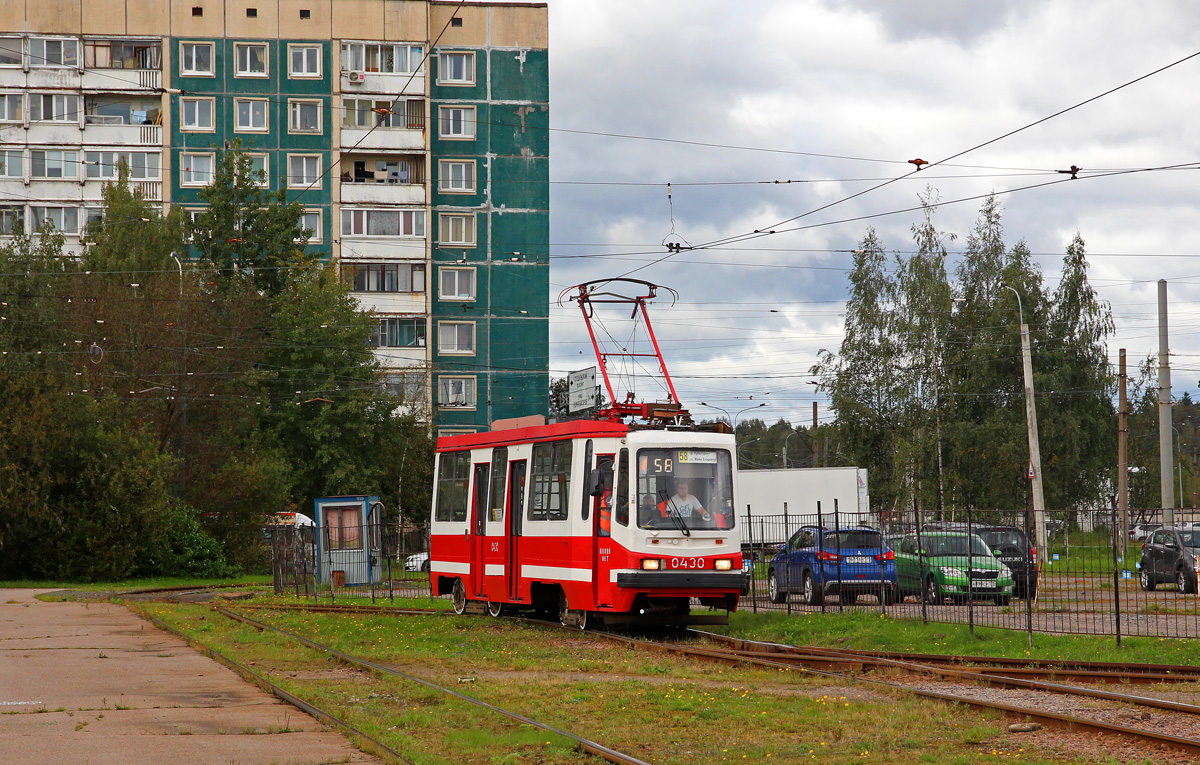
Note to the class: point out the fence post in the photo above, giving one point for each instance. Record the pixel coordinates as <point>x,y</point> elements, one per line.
<point>1116,573</point>
<point>971,574</point>
<point>837,533</point>
<point>820,590</point>
<point>1031,596</point>
<point>387,554</point>
<point>787,560</point>
<point>753,561</point>
<point>920,564</point>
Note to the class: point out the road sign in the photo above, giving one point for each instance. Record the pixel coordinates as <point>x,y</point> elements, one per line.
<point>581,390</point>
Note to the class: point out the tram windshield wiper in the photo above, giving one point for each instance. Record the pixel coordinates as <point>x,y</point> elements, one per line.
<point>671,505</point>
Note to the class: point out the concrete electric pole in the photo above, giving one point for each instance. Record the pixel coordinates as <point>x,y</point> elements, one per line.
<point>1166,462</point>
<point>1035,454</point>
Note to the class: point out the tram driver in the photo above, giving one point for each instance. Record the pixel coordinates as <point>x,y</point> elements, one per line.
<point>683,504</point>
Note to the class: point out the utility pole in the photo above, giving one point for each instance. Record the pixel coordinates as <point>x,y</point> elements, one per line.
<point>1165,454</point>
<point>1123,458</point>
<point>1035,453</point>
<point>814,435</point>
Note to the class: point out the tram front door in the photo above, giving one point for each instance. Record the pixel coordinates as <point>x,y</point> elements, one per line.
<point>602,509</point>
<point>516,509</point>
<point>478,527</point>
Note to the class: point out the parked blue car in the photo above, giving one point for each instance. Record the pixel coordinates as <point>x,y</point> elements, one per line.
<point>818,562</point>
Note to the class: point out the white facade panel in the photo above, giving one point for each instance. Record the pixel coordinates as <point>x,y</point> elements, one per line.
<point>123,135</point>
<point>122,79</point>
<point>375,83</point>
<point>389,139</point>
<point>390,249</point>
<point>53,78</point>
<point>391,302</point>
<point>383,193</point>
<point>51,134</point>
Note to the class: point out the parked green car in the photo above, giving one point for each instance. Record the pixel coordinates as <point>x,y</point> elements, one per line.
<point>939,568</point>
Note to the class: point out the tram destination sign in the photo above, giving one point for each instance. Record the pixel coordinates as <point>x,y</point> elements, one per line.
<point>581,390</point>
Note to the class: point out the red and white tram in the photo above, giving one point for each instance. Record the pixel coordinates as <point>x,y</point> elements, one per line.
<point>588,518</point>
<point>592,518</point>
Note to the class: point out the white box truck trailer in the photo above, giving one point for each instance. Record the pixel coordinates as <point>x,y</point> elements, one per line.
<point>781,501</point>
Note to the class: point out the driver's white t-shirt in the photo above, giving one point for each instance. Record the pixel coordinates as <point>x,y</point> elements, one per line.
<point>685,507</point>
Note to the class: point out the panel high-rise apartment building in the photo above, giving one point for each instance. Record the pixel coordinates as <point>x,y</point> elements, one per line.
<point>414,133</point>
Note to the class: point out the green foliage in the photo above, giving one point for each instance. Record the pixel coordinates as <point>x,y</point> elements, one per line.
<point>156,409</point>
<point>928,382</point>
<point>247,231</point>
<point>184,549</point>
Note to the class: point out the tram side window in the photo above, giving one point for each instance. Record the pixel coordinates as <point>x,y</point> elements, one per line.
<point>551,481</point>
<point>453,477</point>
<point>622,508</point>
<point>499,471</point>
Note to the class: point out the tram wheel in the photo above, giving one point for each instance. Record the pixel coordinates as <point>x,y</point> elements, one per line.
<point>458,597</point>
<point>568,617</point>
<point>495,609</point>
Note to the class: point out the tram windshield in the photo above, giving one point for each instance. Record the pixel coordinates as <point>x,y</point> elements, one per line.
<point>685,489</point>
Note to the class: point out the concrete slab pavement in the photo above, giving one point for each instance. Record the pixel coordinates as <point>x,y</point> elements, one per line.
<point>93,683</point>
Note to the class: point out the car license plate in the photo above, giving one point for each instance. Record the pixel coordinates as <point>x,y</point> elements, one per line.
<point>857,559</point>
<point>983,584</point>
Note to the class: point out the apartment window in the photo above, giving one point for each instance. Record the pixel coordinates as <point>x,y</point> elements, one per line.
<point>12,219</point>
<point>456,121</point>
<point>10,51</point>
<point>122,54</point>
<point>12,163</point>
<point>457,392</point>
<point>260,170</point>
<point>550,481</point>
<point>456,69</point>
<point>305,13</point>
<point>385,277</point>
<point>143,165</point>
<point>456,337</point>
<point>64,219</point>
<point>196,169</point>
<point>399,333</point>
<point>383,113</point>
<point>50,52</point>
<point>52,163</point>
<point>53,108</point>
<point>93,218</point>
<point>310,222</point>
<point>304,61</point>
<point>251,59</point>
<point>303,170</point>
<point>196,58</point>
<point>252,13</point>
<point>457,228</point>
<point>457,283</point>
<point>456,176</point>
<point>306,116</point>
<point>383,222</point>
<point>11,107</point>
<point>382,58</point>
<point>407,386</point>
<point>250,115</point>
<point>197,113</point>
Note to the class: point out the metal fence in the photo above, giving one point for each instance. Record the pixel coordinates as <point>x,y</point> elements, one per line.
<point>368,561</point>
<point>1093,576</point>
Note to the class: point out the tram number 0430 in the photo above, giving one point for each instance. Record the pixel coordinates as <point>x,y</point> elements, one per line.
<point>687,563</point>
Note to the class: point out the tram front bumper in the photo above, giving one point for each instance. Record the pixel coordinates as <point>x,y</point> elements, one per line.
<point>678,580</point>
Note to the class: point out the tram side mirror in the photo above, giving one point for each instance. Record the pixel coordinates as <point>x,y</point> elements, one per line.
<point>595,482</point>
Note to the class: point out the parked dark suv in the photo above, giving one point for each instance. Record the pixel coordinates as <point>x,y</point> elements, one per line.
<point>1170,555</point>
<point>1013,549</point>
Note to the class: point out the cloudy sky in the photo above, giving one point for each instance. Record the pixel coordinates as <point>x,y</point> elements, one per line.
<point>723,98</point>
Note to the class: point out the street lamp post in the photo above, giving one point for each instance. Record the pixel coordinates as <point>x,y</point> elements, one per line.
<point>785,445</point>
<point>1035,454</point>
<point>739,449</point>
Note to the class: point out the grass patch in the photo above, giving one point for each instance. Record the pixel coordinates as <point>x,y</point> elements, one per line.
<point>870,631</point>
<point>661,708</point>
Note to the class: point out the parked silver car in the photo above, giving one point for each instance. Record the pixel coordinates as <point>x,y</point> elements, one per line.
<point>417,562</point>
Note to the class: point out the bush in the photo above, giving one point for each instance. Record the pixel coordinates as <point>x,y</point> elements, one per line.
<point>184,549</point>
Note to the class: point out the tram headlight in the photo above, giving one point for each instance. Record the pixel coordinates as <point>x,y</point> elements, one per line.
<point>651,564</point>
<point>723,564</point>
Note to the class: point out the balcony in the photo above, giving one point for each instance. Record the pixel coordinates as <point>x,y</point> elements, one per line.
<point>382,193</point>
<point>117,134</point>
<point>377,82</point>
<point>383,138</point>
<point>391,302</point>
<point>122,79</point>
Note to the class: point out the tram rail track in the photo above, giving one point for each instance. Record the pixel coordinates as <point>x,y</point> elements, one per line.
<point>583,744</point>
<point>854,666</point>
